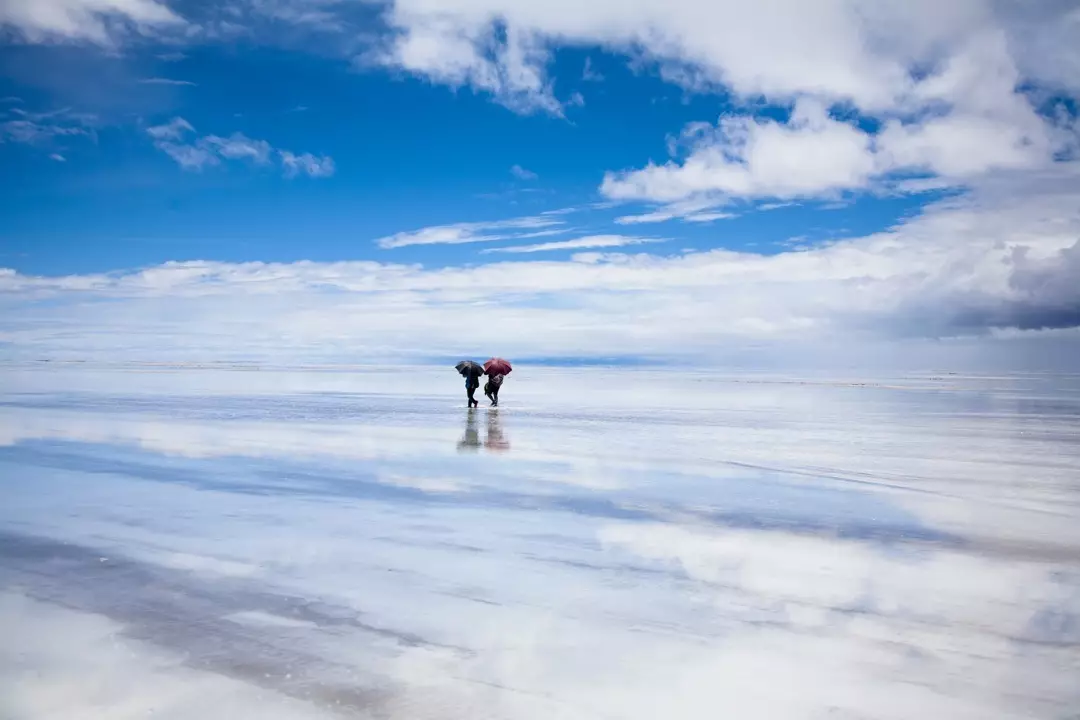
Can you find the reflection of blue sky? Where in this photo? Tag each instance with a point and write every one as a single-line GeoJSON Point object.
{"type": "Point", "coordinates": [870, 547]}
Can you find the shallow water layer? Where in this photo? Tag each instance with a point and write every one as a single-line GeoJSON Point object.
{"type": "Point", "coordinates": [352, 542]}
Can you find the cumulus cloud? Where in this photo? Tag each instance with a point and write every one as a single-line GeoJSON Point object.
{"type": "Point", "coordinates": [814, 154]}
{"type": "Point", "coordinates": [459, 52]}
{"type": "Point", "coordinates": [877, 89]}
{"type": "Point", "coordinates": [174, 138]}
{"type": "Point", "coordinates": [745, 157]}
{"type": "Point", "coordinates": [531, 226]}
{"type": "Point", "coordinates": [1002, 259]}
{"type": "Point", "coordinates": [96, 21]}
{"type": "Point", "coordinates": [863, 52]}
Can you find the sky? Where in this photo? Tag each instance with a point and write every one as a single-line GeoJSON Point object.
{"type": "Point", "coordinates": [349, 178]}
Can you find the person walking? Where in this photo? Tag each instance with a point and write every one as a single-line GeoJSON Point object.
{"type": "Point", "coordinates": [496, 369]}
{"type": "Point", "coordinates": [491, 388]}
{"type": "Point", "coordinates": [471, 372]}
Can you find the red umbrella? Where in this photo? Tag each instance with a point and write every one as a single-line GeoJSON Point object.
{"type": "Point", "coordinates": [497, 366]}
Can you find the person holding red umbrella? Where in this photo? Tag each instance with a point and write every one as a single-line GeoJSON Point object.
{"type": "Point", "coordinates": [496, 369]}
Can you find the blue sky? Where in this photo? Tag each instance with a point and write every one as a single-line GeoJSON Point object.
{"type": "Point", "coordinates": [407, 154]}
{"type": "Point", "coordinates": [827, 169]}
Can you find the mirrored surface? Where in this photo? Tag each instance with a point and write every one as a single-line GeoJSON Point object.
{"type": "Point", "coordinates": [194, 542]}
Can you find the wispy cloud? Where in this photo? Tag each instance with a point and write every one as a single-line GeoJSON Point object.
{"type": "Point", "coordinates": [521, 173]}
{"type": "Point", "coordinates": [693, 210]}
{"type": "Point", "coordinates": [172, 130]}
{"type": "Point", "coordinates": [472, 232]}
{"type": "Point", "coordinates": [44, 128]}
{"type": "Point", "coordinates": [582, 243]}
{"type": "Point", "coordinates": [663, 215]}
{"type": "Point", "coordinates": [306, 164]}
{"type": "Point", "coordinates": [164, 81]}
{"type": "Point", "coordinates": [177, 139]}
{"type": "Point", "coordinates": [589, 74]}
{"type": "Point", "coordinates": [57, 157]}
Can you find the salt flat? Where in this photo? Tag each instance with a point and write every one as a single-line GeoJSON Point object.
{"type": "Point", "coordinates": [201, 542]}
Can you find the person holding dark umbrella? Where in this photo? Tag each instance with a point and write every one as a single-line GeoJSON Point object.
{"type": "Point", "coordinates": [471, 372]}
{"type": "Point", "coordinates": [496, 369]}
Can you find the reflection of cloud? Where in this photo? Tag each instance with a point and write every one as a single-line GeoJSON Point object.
{"type": "Point", "coordinates": [868, 629]}
{"type": "Point", "coordinates": [764, 625]}
{"type": "Point", "coordinates": [60, 663]}
{"type": "Point", "coordinates": [938, 454]}
{"type": "Point", "coordinates": [585, 585]}
{"type": "Point", "coordinates": [434, 483]}
{"type": "Point", "coordinates": [203, 564]}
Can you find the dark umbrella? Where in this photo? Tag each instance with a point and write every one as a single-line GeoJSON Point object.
{"type": "Point", "coordinates": [497, 366]}
{"type": "Point", "coordinates": [465, 366]}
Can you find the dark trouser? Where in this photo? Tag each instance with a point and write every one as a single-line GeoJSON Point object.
{"type": "Point", "coordinates": [491, 389]}
{"type": "Point", "coordinates": [470, 390]}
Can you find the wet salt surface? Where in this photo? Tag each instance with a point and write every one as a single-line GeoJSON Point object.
{"type": "Point", "coordinates": [193, 542]}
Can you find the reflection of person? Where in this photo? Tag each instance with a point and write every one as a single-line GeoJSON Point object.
{"type": "Point", "coordinates": [472, 381]}
{"type": "Point", "coordinates": [471, 439]}
{"type": "Point", "coordinates": [495, 439]}
{"type": "Point", "coordinates": [491, 388]}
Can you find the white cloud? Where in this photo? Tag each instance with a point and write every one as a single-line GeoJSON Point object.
{"type": "Point", "coordinates": [744, 157]}
{"type": "Point", "coordinates": [452, 51]}
{"type": "Point", "coordinates": [688, 210]}
{"type": "Point", "coordinates": [239, 147]}
{"type": "Point", "coordinates": [30, 132]}
{"type": "Point", "coordinates": [307, 164]}
{"type": "Point", "coordinates": [582, 243]}
{"type": "Point", "coordinates": [172, 130]}
{"type": "Point", "coordinates": [165, 81]}
{"type": "Point", "coordinates": [814, 155]}
{"type": "Point", "coordinates": [173, 138]}
{"type": "Point", "coordinates": [84, 20]}
{"type": "Point", "coordinates": [521, 173]}
{"type": "Point", "coordinates": [46, 130]}
{"type": "Point", "coordinates": [940, 80]}
{"type": "Point", "coordinates": [589, 73]}
{"type": "Point", "coordinates": [859, 51]}
{"type": "Point", "coordinates": [1000, 259]}
{"type": "Point", "coordinates": [460, 233]}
